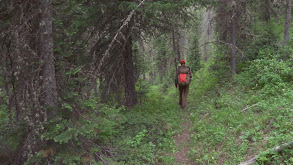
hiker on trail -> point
(183, 79)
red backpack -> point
(184, 76)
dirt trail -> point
(182, 140)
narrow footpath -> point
(182, 140)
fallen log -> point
(276, 149)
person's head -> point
(182, 62)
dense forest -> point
(92, 82)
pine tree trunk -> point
(46, 53)
(102, 91)
(175, 39)
(44, 41)
(130, 93)
(287, 22)
(206, 46)
(233, 42)
(267, 8)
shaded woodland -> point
(92, 81)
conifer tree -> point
(287, 21)
(161, 57)
(194, 54)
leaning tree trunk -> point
(130, 93)
(233, 42)
(46, 53)
(287, 22)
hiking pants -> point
(183, 93)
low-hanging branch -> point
(125, 23)
(276, 149)
(96, 71)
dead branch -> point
(249, 107)
(231, 46)
(100, 158)
(276, 149)
(125, 23)
(203, 116)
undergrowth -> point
(149, 130)
(234, 121)
(98, 132)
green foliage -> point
(141, 133)
(194, 54)
(162, 55)
(4, 114)
(140, 64)
(268, 35)
(10, 136)
(73, 71)
(270, 73)
(141, 153)
(148, 130)
(142, 88)
(203, 80)
(137, 139)
(83, 129)
(272, 157)
(220, 123)
(221, 128)
(79, 138)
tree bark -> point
(176, 58)
(205, 56)
(46, 52)
(176, 46)
(287, 22)
(129, 78)
(233, 42)
(267, 13)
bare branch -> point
(249, 107)
(125, 23)
(203, 116)
(231, 46)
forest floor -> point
(220, 126)
(182, 140)
(216, 130)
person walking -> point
(183, 79)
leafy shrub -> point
(269, 73)
(138, 135)
(273, 157)
(142, 88)
(203, 80)
(267, 37)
